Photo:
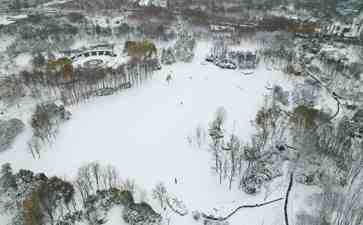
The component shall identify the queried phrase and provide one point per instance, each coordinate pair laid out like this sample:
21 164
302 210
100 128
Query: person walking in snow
168 78
175 181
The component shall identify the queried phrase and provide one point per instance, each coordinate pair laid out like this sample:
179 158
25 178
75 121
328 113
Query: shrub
63 65
306 116
55 64
38 60
303 28
32 213
140 49
125 198
263 117
75 17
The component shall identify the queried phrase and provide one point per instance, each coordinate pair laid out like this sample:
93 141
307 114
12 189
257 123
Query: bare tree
93 177
160 194
216 133
234 150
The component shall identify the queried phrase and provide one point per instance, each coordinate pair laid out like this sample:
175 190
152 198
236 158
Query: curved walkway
238 208
331 93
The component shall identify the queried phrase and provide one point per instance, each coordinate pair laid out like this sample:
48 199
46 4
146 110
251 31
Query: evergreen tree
38 60
7 179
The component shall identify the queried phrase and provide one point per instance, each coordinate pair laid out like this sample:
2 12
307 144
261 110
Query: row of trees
74 85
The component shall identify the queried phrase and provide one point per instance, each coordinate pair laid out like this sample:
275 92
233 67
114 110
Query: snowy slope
143 132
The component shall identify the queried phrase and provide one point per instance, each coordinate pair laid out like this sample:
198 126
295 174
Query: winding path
287 198
238 208
332 94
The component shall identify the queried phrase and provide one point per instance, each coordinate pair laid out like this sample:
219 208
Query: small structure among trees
246 59
95 53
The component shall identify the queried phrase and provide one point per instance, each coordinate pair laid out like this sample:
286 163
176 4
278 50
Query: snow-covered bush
45 122
184 51
34 198
214 222
46 118
97 206
294 69
280 95
256 175
101 188
141 214
38 60
76 17
11 89
9 130
167 56
305 95
196 215
358 116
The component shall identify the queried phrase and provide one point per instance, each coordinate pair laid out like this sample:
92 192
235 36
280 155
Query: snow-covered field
143 133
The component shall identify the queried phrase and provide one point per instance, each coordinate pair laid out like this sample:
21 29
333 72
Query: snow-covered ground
4 219
23 61
115 217
7 19
143 132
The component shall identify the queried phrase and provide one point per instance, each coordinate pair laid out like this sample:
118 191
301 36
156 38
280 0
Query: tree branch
175 210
